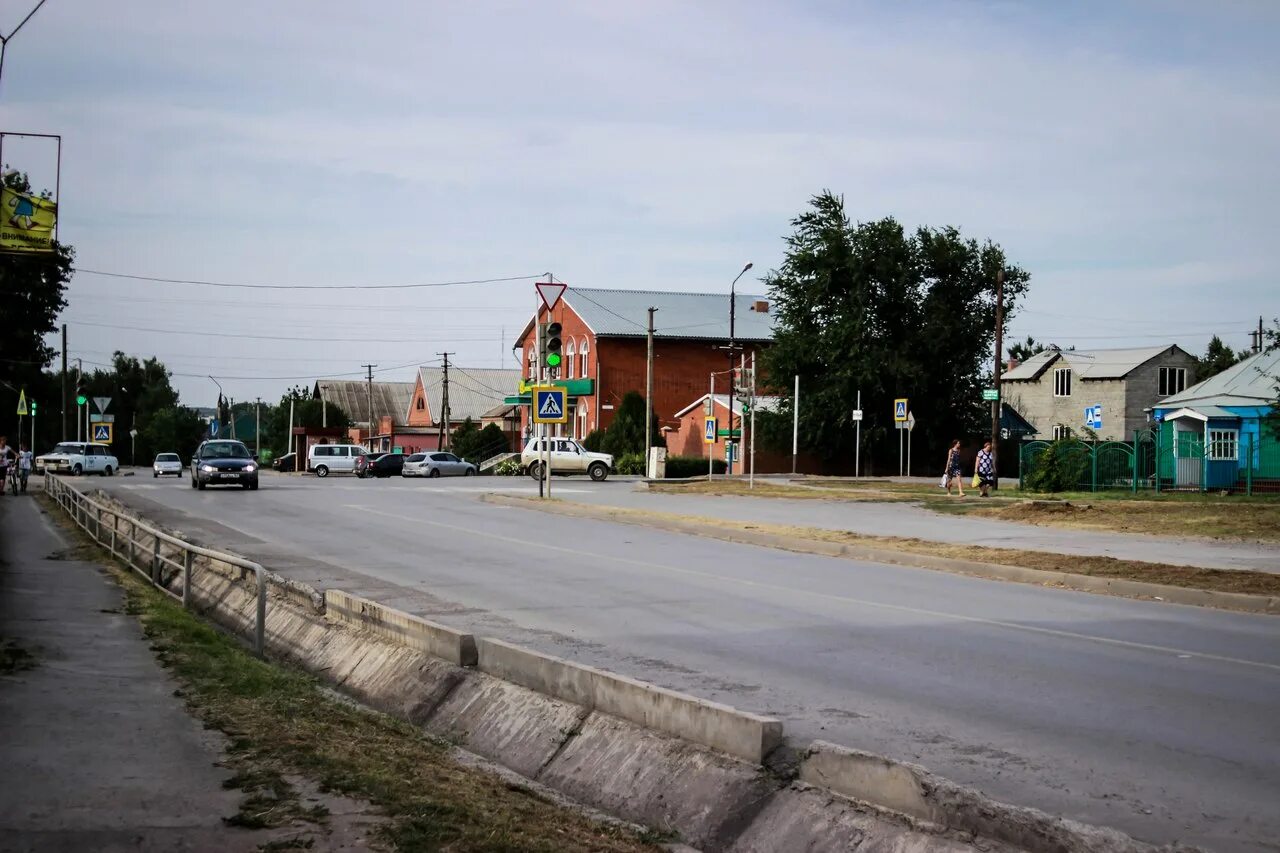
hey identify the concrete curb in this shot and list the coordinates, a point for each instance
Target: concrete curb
(1240, 602)
(456, 647)
(737, 733)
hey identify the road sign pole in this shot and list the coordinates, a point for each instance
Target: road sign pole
(857, 448)
(711, 446)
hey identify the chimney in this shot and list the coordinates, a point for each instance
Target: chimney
(1013, 362)
(760, 306)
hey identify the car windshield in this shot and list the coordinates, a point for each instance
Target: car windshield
(225, 451)
(167, 457)
(68, 448)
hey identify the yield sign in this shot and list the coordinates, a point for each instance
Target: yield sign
(102, 403)
(550, 291)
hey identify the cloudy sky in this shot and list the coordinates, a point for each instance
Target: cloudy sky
(1124, 153)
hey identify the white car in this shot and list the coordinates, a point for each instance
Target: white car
(567, 457)
(326, 459)
(437, 464)
(166, 463)
(78, 457)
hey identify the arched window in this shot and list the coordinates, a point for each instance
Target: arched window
(569, 359)
(422, 403)
(583, 350)
(532, 364)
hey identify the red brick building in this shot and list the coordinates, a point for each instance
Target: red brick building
(689, 438)
(604, 335)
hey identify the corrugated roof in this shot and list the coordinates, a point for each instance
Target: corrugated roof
(763, 404)
(625, 313)
(1088, 364)
(352, 396)
(473, 391)
(1252, 382)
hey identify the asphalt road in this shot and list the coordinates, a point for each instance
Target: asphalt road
(1161, 720)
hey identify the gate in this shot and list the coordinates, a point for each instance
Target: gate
(1188, 460)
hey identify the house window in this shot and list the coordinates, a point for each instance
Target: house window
(582, 353)
(533, 358)
(422, 404)
(1172, 380)
(569, 359)
(1061, 431)
(1224, 445)
(1062, 382)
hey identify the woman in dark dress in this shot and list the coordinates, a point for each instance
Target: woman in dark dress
(953, 468)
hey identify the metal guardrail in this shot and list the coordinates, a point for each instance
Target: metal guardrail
(103, 524)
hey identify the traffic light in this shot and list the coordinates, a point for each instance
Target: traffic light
(552, 352)
(33, 408)
(82, 391)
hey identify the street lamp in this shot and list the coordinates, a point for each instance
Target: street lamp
(733, 299)
(217, 410)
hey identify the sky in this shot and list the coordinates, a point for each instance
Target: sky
(1123, 153)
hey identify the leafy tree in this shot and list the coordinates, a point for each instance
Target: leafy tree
(1217, 358)
(594, 441)
(626, 434)
(33, 288)
(871, 307)
(490, 442)
(1023, 350)
(465, 439)
(176, 429)
(307, 412)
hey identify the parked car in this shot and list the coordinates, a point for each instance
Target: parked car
(284, 463)
(386, 465)
(438, 464)
(326, 459)
(166, 463)
(567, 457)
(363, 463)
(222, 462)
(78, 457)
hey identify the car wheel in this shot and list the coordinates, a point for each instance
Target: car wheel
(435, 472)
(322, 470)
(155, 474)
(106, 472)
(253, 487)
(77, 471)
(193, 481)
(200, 484)
(535, 470)
(598, 471)
(470, 472)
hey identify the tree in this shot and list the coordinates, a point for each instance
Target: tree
(465, 439)
(1024, 350)
(626, 433)
(1217, 358)
(492, 441)
(33, 288)
(176, 429)
(894, 314)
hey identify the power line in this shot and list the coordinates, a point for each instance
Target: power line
(639, 326)
(311, 339)
(246, 286)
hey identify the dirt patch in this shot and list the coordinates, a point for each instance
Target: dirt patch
(1220, 518)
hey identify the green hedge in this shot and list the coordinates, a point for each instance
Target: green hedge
(630, 463)
(679, 467)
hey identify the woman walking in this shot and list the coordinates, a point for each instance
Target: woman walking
(953, 468)
(984, 470)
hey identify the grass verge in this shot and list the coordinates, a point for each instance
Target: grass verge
(283, 721)
(1217, 580)
(1234, 517)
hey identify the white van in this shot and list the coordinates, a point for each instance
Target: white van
(326, 459)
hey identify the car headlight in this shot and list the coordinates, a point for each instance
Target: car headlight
(249, 469)
(208, 469)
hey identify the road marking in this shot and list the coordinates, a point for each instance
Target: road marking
(900, 608)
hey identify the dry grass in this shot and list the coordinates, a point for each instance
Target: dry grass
(1218, 580)
(282, 721)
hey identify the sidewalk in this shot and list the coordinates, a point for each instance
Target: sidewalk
(98, 753)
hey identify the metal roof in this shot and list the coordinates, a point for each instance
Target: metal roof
(701, 316)
(1088, 364)
(352, 396)
(473, 391)
(1252, 382)
(763, 404)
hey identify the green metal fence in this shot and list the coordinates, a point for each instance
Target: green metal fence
(1161, 460)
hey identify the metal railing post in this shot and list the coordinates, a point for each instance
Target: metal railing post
(1248, 469)
(259, 639)
(115, 526)
(187, 559)
(133, 541)
(155, 560)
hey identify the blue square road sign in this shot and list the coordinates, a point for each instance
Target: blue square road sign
(550, 406)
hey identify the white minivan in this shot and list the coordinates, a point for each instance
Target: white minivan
(326, 459)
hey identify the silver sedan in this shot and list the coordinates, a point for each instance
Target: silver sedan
(166, 463)
(437, 464)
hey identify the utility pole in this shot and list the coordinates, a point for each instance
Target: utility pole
(795, 419)
(292, 444)
(79, 373)
(368, 399)
(231, 415)
(752, 452)
(733, 299)
(999, 363)
(63, 405)
(648, 396)
(711, 446)
(257, 429)
(1259, 346)
(446, 435)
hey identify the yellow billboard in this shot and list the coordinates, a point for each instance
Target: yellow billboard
(26, 222)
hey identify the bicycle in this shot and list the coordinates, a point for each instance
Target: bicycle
(11, 474)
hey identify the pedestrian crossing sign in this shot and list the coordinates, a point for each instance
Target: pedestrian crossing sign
(900, 409)
(550, 406)
(709, 430)
(102, 433)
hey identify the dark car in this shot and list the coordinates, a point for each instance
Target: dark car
(363, 462)
(223, 463)
(288, 462)
(386, 465)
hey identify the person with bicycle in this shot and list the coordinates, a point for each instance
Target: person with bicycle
(7, 458)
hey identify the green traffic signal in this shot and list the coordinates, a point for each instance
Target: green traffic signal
(553, 359)
(81, 399)
(33, 408)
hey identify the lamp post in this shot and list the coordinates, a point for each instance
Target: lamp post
(733, 300)
(218, 408)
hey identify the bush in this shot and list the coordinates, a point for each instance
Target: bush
(507, 468)
(1063, 466)
(680, 467)
(594, 441)
(630, 463)
(626, 434)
